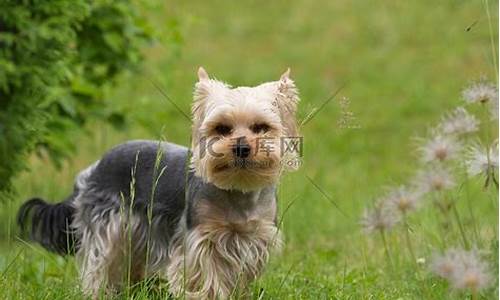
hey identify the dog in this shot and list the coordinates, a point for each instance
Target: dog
(204, 218)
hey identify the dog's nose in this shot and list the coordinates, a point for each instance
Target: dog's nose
(241, 149)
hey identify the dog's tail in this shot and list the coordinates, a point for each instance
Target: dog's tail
(50, 224)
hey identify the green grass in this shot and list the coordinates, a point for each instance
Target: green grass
(403, 64)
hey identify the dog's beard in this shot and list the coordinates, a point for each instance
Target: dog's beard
(228, 172)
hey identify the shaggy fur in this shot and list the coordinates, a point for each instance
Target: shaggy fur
(205, 220)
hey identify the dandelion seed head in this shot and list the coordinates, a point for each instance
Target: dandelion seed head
(480, 92)
(403, 199)
(434, 180)
(439, 148)
(474, 278)
(458, 122)
(381, 218)
(462, 269)
(481, 160)
(443, 266)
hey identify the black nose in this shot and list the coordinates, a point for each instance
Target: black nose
(241, 149)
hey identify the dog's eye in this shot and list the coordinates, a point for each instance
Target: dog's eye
(260, 128)
(223, 129)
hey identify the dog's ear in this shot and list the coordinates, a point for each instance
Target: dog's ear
(202, 74)
(205, 88)
(285, 75)
(201, 92)
(287, 100)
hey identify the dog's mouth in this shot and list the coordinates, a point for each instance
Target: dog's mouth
(221, 167)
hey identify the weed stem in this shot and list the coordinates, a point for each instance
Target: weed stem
(460, 227)
(406, 229)
(387, 253)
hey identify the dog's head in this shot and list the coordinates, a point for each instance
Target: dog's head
(238, 133)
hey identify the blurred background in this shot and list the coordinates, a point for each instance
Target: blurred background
(400, 64)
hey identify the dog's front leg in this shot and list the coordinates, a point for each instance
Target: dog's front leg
(218, 261)
(195, 269)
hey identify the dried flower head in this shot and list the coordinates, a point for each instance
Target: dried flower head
(481, 160)
(403, 199)
(434, 179)
(439, 148)
(347, 118)
(381, 218)
(445, 265)
(463, 269)
(458, 122)
(480, 92)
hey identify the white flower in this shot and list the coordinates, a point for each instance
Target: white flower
(439, 148)
(463, 269)
(458, 122)
(434, 180)
(480, 92)
(403, 199)
(421, 260)
(381, 218)
(482, 161)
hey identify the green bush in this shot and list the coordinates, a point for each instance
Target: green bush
(57, 60)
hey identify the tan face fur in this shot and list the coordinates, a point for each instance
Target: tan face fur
(237, 131)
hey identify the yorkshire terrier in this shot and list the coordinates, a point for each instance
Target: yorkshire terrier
(205, 219)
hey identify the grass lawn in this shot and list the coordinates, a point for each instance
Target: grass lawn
(402, 64)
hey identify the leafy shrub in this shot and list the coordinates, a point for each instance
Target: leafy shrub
(57, 60)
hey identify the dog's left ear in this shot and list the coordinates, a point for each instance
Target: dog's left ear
(285, 75)
(286, 101)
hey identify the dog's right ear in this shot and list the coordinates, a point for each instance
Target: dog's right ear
(202, 87)
(205, 88)
(201, 92)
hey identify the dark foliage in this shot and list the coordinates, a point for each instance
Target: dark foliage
(57, 60)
